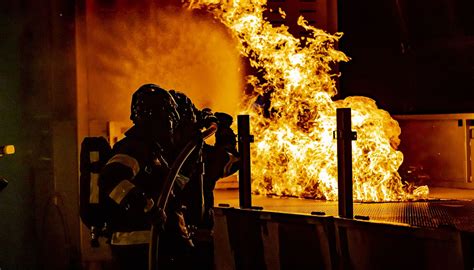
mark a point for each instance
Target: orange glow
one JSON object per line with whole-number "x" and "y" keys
{"x": 294, "y": 152}
{"x": 127, "y": 44}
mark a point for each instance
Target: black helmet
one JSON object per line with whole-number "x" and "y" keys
{"x": 155, "y": 107}
{"x": 187, "y": 127}
{"x": 186, "y": 109}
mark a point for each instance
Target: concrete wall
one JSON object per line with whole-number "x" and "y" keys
{"x": 17, "y": 232}
{"x": 39, "y": 221}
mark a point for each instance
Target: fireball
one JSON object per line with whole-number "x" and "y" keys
{"x": 295, "y": 152}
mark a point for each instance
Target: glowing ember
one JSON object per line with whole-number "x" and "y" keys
{"x": 294, "y": 152}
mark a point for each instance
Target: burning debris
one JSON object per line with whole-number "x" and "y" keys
{"x": 295, "y": 153}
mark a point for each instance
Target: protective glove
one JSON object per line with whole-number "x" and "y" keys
{"x": 225, "y": 136}
{"x": 224, "y": 119}
{"x": 206, "y": 117}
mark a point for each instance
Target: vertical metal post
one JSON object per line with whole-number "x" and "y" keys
{"x": 470, "y": 149}
{"x": 344, "y": 162}
{"x": 243, "y": 126}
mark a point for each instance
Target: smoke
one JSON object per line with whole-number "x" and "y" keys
{"x": 172, "y": 47}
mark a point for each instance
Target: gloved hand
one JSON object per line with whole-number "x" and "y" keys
{"x": 224, "y": 119}
{"x": 206, "y": 117}
{"x": 225, "y": 136}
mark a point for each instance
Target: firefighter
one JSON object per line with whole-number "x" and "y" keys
{"x": 219, "y": 160}
{"x": 163, "y": 122}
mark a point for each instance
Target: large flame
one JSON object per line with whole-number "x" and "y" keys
{"x": 295, "y": 152}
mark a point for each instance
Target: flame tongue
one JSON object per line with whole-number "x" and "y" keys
{"x": 294, "y": 152}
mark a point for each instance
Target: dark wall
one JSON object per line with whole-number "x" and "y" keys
{"x": 38, "y": 210}
{"x": 17, "y": 232}
{"x": 410, "y": 56}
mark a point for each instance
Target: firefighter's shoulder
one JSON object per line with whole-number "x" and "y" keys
{"x": 131, "y": 148}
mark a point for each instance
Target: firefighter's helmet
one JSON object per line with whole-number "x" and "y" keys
{"x": 151, "y": 104}
{"x": 188, "y": 127}
{"x": 186, "y": 109}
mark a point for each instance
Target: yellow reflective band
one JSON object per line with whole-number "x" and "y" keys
{"x": 126, "y": 160}
{"x": 228, "y": 166}
{"x": 121, "y": 190}
{"x": 94, "y": 188}
{"x": 181, "y": 180}
{"x": 130, "y": 238}
{"x": 94, "y": 156}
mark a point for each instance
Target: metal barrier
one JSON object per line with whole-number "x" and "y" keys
{"x": 249, "y": 239}
{"x": 367, "y": 245}
{"x": 238, "y": 239}
{"x": 296, "y": 241}
{"x": 254, "y": 239}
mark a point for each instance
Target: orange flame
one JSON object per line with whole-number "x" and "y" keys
{"x": 294, "y": 152}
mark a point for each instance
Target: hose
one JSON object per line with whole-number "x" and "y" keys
{"x": 162, "y": 200}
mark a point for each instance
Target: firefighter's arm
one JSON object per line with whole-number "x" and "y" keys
{"x": 222, "y": 159}
{"x": 220, "y": 162}
{"x": 226, "y": 140}
{"x": 116, "y": 180}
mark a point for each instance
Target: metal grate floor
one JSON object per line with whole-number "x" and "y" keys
{"x": 457, "y": 214}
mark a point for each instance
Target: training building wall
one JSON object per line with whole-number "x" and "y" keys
{"x": 39, "y": 221}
